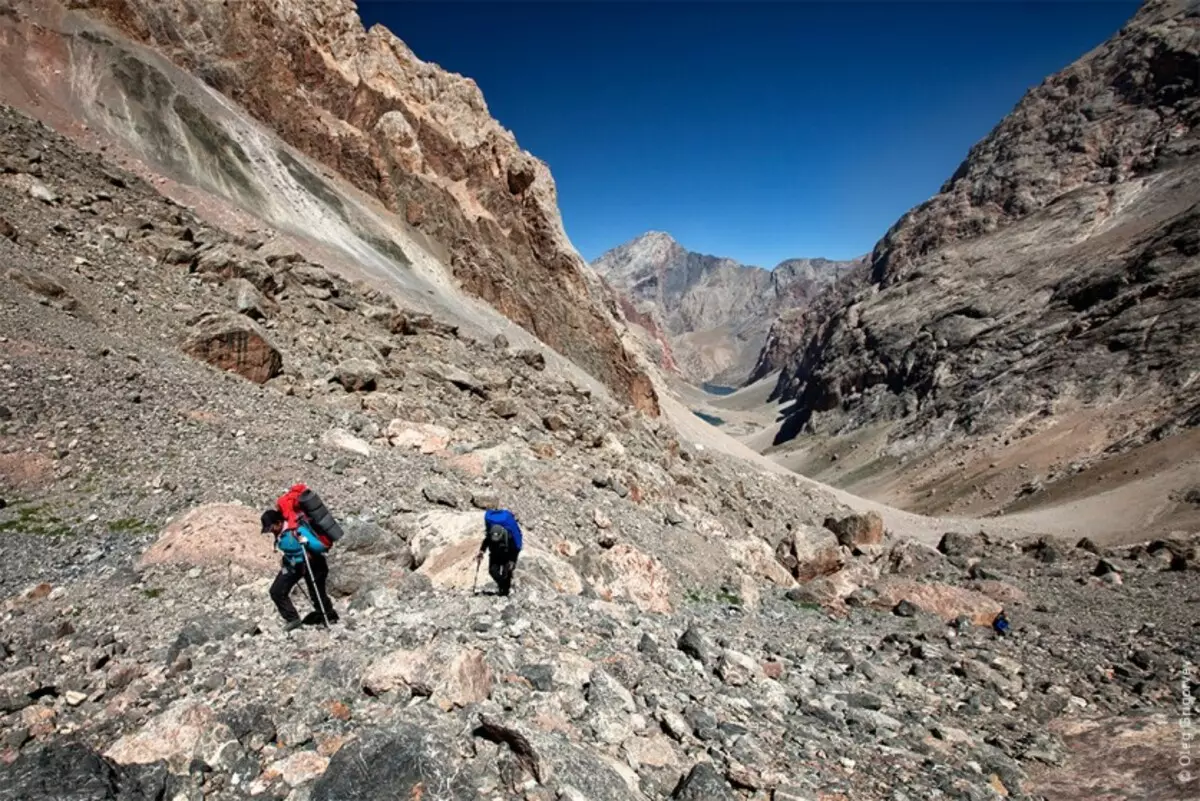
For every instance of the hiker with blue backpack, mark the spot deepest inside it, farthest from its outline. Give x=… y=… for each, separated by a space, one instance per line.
x=304 y=533
x=502 y=541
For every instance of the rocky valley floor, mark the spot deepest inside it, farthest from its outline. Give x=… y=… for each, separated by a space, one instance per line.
x=684 y=626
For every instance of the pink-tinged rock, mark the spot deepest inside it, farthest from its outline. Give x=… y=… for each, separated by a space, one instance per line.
x=772 y=669
x=39 y=720
x=37 y=591
x=756 y=557
x=299 y=768
x=656 y=751
x=943 y=600
x=468 y=680
x=423 y=437
x=1000 y=591
x=625 y=572
x=236 y=344
x=173 y=736
x=452 y=676
x=215 y=535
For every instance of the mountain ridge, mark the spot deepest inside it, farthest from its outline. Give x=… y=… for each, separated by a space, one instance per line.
x=413 y=136
x=1053 y=276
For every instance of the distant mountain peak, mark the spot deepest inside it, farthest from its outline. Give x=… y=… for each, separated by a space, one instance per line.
x=654 y=236
x=715 y=311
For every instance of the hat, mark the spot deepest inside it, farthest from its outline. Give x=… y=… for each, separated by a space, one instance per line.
x=270 y=519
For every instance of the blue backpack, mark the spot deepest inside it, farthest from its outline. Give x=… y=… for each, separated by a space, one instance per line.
x=505 y=520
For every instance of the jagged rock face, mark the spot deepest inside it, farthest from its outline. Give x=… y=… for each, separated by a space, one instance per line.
x=415 y=136
x=1057 y=269
x=715 y=311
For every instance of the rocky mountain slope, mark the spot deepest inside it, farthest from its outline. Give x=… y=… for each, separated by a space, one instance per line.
x=1038 y=315
x=683 y=626
x=430 y=169
x=708 y=315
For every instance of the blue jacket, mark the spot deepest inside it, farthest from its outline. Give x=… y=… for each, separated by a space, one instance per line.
x=289 y=543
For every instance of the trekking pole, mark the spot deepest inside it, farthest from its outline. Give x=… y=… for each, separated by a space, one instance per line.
x=312 y=581
x=475 y=583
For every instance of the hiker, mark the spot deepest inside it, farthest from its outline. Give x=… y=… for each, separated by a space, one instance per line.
x=1000 y=624
x=502 y=538
x=303 y=549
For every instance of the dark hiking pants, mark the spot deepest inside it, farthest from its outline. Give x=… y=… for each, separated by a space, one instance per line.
x=500 y=568
x=290 y=575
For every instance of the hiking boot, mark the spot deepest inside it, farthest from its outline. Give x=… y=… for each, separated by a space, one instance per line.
x=292 y=625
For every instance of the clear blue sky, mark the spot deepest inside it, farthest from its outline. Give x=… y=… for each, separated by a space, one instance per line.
x=758 y=131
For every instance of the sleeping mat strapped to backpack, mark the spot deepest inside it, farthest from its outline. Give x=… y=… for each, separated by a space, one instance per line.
x=322 y=521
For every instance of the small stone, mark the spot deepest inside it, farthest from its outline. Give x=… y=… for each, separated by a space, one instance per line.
x=357 y=375
x=555 y=422
x=533 y=358
x=442 y=496
x=904 y=609
x=695 y=645
x=675 y=725
x=737 y=669
x=485 y=500
x=75 y=698
x=540 y=676
x=504 y=408
x=704 y=783
x=39 y=191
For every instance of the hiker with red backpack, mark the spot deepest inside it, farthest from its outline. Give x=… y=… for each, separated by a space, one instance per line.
x=304 y=533
x=502 y=538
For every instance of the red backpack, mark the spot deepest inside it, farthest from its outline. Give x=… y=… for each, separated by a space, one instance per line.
x=293 y=515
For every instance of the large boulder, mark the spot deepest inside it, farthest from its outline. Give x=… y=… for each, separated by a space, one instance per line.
x=424 y=437
x=185 y=731
x=912 y=558
x=407 y=762
x=808 y=552
x=704 y=783
x=857 y=531
x=236 y=344
x=73 y=772
x=755 y=557
x=945 y=601
x=609 y=708
x=442 y=528
x=568 y=771
x=214 y=535
x=445 y=544
x=357 y=375
x=954 y=543
x=624 y=572
x=452 y=676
